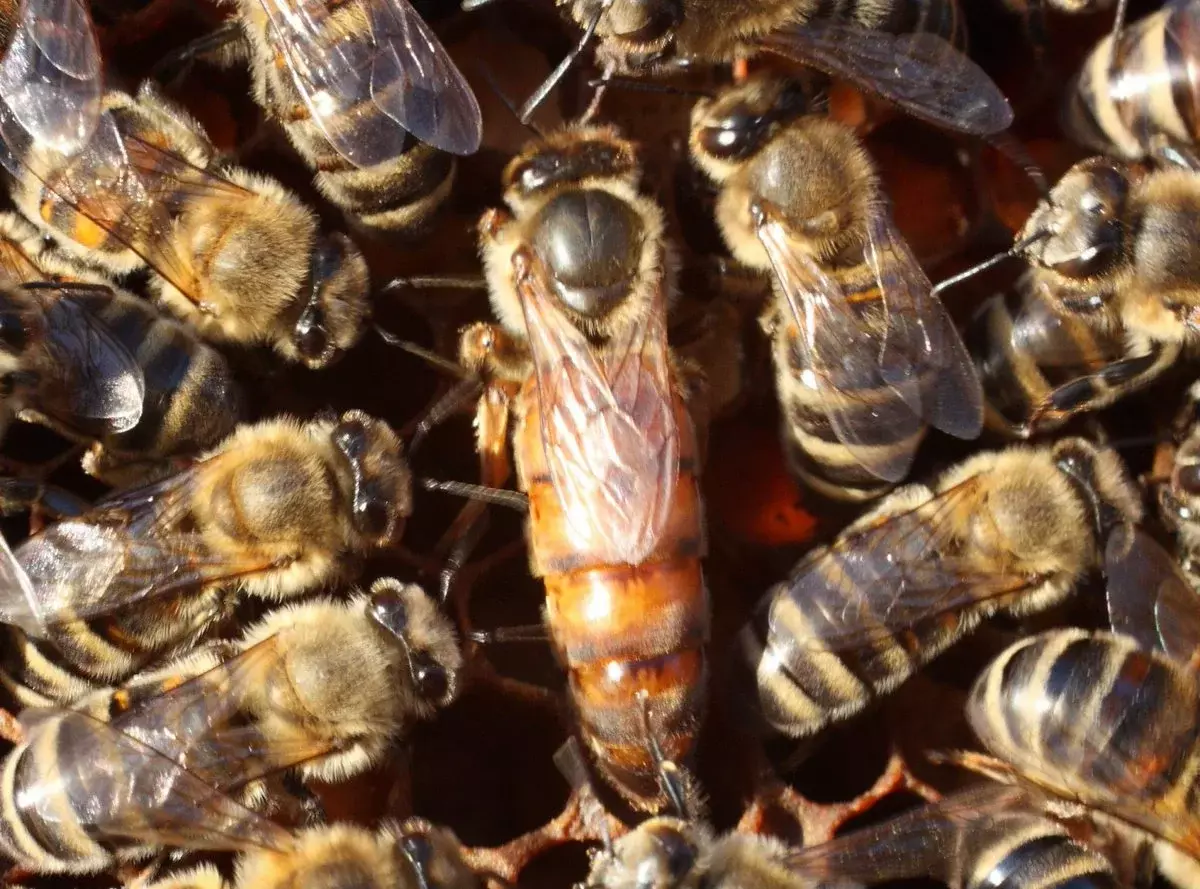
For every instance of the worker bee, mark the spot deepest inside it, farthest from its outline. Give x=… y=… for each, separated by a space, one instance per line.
x=1136 y=94
x=99 y=365
x=1108 y=720
x=978 y=838
x=1111 y=301
x=323 y=687
x=279 y=509
x=230 y=252
x=412 y=855
x=865 y=356
x=902 y=50
x=579 y=275
x=51 y=74
x=1012 y=531
x=368 y=97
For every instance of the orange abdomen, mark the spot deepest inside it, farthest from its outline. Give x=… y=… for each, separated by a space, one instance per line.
x=624 y=631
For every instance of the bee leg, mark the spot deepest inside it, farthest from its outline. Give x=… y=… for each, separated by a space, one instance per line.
x=1097 y=390
x=18 y=495
x=310 y=805
x=1170 y=152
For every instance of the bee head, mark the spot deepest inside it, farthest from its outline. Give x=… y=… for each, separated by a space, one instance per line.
x=431 y=650
x=330 y=319
x=379 y=476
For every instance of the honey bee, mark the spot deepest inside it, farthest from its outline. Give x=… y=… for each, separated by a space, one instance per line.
x=368 y=97
x=1012 y=531
x=279 y=509
x=579 y=275
x=229 y=251
x=1135 y=96
x=51 y=73
x=323 y=687
x=982 y=837
x=902 y=50
x=99 y=365
x=865 y=356
x=1112 y=299
x=1104 y=720
x=412 y=855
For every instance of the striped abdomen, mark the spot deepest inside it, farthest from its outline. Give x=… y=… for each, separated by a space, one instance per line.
x=623 y=630
x=400 y=194
x=885 y=423
x=78 y=656
x=192 y=399
x=1038 y=364
x=1153 y=90
x=1022 y=850
x=798 y=685
x=1095 y=718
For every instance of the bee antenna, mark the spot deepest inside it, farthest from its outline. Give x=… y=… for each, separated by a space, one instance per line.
x=1012 y=149
x=498 y=496
x=1016 y=250
x=508 y=103
x=645 y=86
x=1118 y=26
x=560 y=71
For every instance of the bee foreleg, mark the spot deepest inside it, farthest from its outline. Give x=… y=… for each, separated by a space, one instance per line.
x=311 y=808
x=1169 y=152
x=1097 y=390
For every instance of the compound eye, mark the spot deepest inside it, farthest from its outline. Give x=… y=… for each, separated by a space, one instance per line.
x=1187 y=479
x=592 y=242
x=432 y=681
x=350 y=437
x=678 y=855
x=310 y=336
x=736 y=137
x=371 y=514
x=648 y=21
x=389 y=610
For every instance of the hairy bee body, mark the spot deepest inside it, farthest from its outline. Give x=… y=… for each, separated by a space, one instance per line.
x=399 y=194
x=1138 y=96
x=1099 y=720
x=580 y=276
x=827 y=642
x=1177 y=497
x=414 y=854
x=192 y=400
x=232 y=252
x=279 y=509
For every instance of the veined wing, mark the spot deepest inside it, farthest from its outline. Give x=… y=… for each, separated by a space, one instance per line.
x=378 y=72
x=922 y=73
x=838 y=356
x=608 y=421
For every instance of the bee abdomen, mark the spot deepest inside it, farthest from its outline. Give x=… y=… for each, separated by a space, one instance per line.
x=1043 y=703
x=1022 y=851
x=1152 y=89
x=801 y=685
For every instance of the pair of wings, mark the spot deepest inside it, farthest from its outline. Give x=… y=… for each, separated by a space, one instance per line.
x=923 y=74
x=51 y=75
x=366 y=86
x=162 y=769
x=97 y=385
x=131 y=547
x=608 y=421
x=908 y=369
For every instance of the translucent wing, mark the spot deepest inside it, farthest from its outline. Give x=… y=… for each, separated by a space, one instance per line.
x=837 y=357
x=608 y=422
x=923 y=842
x=897 y=576
x=133 y=191
x=1149 y=598
x=207 y=724
x=366 y=82
x=123 y=551
x=922 y=73
x=922 y=351
x=51 y=76
x=96 y=379
x=118 y=787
